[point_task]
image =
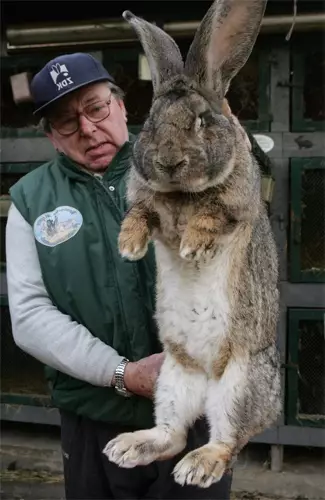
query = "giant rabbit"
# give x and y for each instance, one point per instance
(194, 189)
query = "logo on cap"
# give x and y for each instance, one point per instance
(59, 71)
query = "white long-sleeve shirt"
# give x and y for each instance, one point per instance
(38, 327)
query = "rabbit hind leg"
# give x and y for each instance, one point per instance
(241, 404)
(207, 464)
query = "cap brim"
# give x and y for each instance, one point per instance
(42, 108)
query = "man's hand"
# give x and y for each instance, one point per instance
(140, 376)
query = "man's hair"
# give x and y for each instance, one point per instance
(45, 126)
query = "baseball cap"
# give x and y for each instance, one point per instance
(63, 75)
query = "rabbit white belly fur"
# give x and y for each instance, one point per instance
(192, 309)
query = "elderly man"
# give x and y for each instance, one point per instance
(75, 304)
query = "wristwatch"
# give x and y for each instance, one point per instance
(119, 379)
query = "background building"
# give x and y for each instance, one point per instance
(278, 95)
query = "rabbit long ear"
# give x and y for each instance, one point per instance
(163, 55)
(223, 42)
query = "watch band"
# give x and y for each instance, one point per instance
(119, 379)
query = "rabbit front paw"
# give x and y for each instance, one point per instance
(133, 240)
(143, 447)
(198, 245)
(130, 450)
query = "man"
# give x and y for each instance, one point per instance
(75, 304)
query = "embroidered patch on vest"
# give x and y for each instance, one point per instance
(58, 226)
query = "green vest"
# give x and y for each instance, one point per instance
(87, 279)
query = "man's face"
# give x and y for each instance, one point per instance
(93, 145)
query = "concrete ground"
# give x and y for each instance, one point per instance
(31, 469)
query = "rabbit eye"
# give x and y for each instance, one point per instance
(203, 120)
(207, 119)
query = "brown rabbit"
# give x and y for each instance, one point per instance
(195, 190)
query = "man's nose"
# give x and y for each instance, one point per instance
(86, 127)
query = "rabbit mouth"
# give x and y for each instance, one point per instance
(175, 176)
(192, 186)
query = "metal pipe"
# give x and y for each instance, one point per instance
(108, 32)
(270, 24)
(71, 33)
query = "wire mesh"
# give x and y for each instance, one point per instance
(243, 94)
(314, 85)
(311, 370)
(313, 221)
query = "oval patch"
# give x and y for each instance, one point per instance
(58, 226)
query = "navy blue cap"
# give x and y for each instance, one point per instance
(63, 75)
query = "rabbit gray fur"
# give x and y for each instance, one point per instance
(195, 190)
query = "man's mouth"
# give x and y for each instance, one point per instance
(97, 147)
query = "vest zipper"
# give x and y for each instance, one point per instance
(99, 179)
(134, 268)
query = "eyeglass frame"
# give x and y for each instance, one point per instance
(82, 113)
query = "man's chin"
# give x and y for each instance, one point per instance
(99, 164)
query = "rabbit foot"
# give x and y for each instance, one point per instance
(202, 467)
(198, 245)
(132, 449)
(133, 243)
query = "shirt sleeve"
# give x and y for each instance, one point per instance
(38, 327)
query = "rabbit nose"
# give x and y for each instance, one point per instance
(168, 164)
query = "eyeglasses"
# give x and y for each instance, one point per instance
(95, 113)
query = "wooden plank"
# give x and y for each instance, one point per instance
(30, 414)
(269, 436)
(296, 145)
(304, 144)
(292, 385)
(298, 436)
(280, 92)
(276, 457)
(303, 294)
(282, 346)
(292, 436)
(18, 168)
(25, 150)
(296, 168)
(279, 212)
(279, 221)
(286, 145)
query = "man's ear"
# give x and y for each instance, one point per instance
(54, 141)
